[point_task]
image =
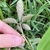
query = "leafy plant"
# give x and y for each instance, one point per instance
(20, 25)
(30, 17)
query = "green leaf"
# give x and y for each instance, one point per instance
(45, 41)
(48, 9)
(39, 1)
(14, 1)
(6, 9)
(35, 6)
(3, 4)
(44, 6)
(48, 2)
(30, 6)
(35, 41)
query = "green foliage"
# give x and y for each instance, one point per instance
(38, 21)
(45, 41)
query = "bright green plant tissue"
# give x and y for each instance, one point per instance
(45, 42)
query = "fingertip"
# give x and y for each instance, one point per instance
(17, 41)
(8, 40)
(23, 40)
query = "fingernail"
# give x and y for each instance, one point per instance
(17, 41)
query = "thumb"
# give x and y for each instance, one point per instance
(8, 40)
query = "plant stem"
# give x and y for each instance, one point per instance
(1, 14)
(26, 5)
(29, 43)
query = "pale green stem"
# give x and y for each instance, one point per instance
(29, 43)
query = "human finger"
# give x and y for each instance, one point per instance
(8, 40)
(6, 29)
